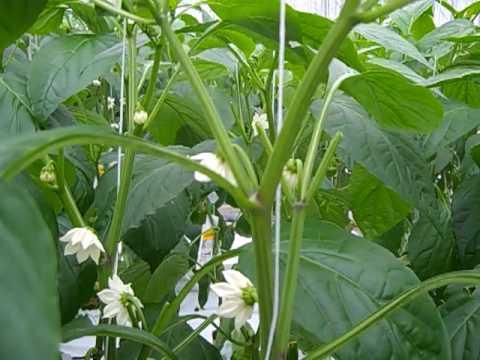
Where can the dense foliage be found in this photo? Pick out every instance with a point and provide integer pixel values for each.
(386, 199)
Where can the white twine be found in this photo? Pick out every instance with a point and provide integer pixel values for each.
(278, 194)
(118, 250)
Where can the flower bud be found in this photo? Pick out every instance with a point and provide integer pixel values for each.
(96, 83)
(291, 173)
(140, 117)
(47, 174)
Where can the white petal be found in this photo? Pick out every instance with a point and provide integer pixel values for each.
(99, 245)
(243, 316)
(236, 279)
(71, 249)
(82, 256)
(123, 318)
(200, 177)
(115, 283)
(231, 307)
(204, 157)
(94, 253)
(112, 309)
(223, 289)
(67, 237)
(107, 296)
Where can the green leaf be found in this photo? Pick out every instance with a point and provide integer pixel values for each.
(376, 208)
(398, 162)
(459, 119)
(66, 65)
(451, 74)
(28, 280)
(390, 40)
(16, 16)
(398, 67)
(461, 315)
(16, 113)
(466, 90)
(155, 182)
(406, 16)
(466, 219)
(339, 285)
(394, 102)
(49, 20)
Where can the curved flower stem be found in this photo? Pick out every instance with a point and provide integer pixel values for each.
(68, 201)
(458, 277)
(316, 135)
(213, 118)
(170, 309)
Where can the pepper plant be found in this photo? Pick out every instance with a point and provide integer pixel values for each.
(126, 125)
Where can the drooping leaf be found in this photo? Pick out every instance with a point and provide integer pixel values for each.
(466, 219)
(452, 74)
(16, 16)
(390, 40)
(67, 64)
(28, 279)
(461, 315)
(339, 285)
(394, 101)
(376, 208)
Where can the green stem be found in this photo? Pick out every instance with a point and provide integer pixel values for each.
(322, 169)
(68, 201)
(106, 6)
(458, 277)
(152, 83)
(262, 238)
(299, 106)
(114, 234)
(290, 279)
(123, 332)
(316, 136)
(375, 13)
(213, 118)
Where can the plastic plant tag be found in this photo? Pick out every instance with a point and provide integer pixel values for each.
(207, 240)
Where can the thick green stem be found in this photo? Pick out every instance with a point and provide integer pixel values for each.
(68, 201)
(213, 118)
(299, 106)
(375, 13)
(262, 239)
(290, 279)
(459, 277)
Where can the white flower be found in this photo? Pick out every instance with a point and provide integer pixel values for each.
(238, 297)
(96, 83)
(261, 121)
(214, 163)
(140, 117)
(117, 297)
(83, 243)
(110, 103)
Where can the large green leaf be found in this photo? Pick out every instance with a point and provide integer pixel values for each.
(398, 162)
(405, 17)
(390, 40)
(459, 119)
(343, 279)
(461, 315)
(28, 279)
(466, 90)
(466, 218)
(394, 101)
(67, 64)
(16, 16)
(376, 208)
